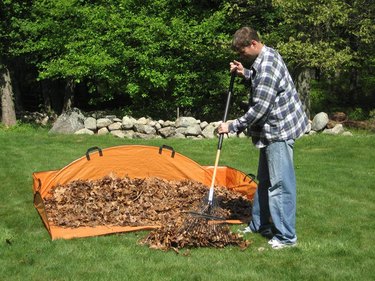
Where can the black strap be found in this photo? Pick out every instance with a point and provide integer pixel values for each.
(92, 149)
(167, 147)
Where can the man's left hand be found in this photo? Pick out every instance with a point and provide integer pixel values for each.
(223, 128)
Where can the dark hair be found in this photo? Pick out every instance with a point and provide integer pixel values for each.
(243, 37)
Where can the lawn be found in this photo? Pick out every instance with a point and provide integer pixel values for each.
(335, 216)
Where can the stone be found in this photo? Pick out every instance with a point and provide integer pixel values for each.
(203, 124)
(144, 129)
(142, 121)
(320, 121)
(128, 122)
(186, 122)
(44, 121)
(347, 133)
(115, 126)
(103, 131)
(138, 135)
(103, 122)
(90, 123)
(118, 133)
(129, 134)
(110, 117)
(337, 130)
(68, 122)
(169, 124)
(167, 132)
(308, 128)
(193, 130)
(331, 124)
(209, 130)
(84, 131)
(178, 136)
(328, 132)
(181, 130)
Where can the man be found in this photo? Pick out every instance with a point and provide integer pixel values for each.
(275, 118)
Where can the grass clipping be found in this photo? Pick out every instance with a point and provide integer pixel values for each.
(115, 201)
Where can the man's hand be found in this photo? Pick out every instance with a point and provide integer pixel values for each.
(223, 128)
(238, 67)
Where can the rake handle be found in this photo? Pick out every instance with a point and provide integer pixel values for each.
(231, 84)
(221, 137)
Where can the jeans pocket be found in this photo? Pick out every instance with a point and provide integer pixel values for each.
(275, 186)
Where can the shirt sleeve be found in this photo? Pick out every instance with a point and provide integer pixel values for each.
(264, 93)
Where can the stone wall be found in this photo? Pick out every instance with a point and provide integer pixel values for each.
(146, 128)
(75, 122)
(129, 127)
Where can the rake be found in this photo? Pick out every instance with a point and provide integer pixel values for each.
(208, 211)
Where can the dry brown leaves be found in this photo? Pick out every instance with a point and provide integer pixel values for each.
(149, 201)
(193, 232)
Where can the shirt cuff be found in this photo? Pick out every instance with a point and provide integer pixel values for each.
(247, 73)
(231, 128)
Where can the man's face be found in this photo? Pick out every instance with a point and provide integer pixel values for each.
(248, 52)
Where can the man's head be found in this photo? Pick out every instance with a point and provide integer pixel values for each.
(246, 42)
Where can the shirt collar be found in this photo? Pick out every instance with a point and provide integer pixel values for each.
(259, 58)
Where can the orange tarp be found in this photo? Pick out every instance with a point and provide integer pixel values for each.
(134, 161)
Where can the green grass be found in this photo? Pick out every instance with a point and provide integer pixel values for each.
(335, 216)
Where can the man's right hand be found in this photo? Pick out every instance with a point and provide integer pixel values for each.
(238, 67)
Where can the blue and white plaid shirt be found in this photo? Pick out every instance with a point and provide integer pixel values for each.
(276, 112)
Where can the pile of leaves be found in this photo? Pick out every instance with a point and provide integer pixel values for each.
(148, 202)
(194, 232)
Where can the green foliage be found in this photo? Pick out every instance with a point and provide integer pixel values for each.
(164, 53)
(159, 55)
(357, 114)
(319, 98)
(10, 9)
(372, 115)
(336, 38)
(314, 33)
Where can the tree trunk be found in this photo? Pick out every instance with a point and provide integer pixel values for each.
(303, 85)
(69, 95)
(8, 113)
(16, 90)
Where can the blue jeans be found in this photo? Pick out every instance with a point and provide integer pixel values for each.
(274, 206)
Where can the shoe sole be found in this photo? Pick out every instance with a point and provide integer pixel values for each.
(283, 246)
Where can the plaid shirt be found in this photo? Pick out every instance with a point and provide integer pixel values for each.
(276, 112)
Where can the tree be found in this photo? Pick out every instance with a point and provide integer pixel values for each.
(8, 116)
(156, 56)
(165, 52)
(334, 37)
(6, 89)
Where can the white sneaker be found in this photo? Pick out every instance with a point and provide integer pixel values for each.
(276, 244)
(245, 230)
(273, 240)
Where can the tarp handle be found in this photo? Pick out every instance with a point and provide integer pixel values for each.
(92, 149)
(252, 177)
(167, 147)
